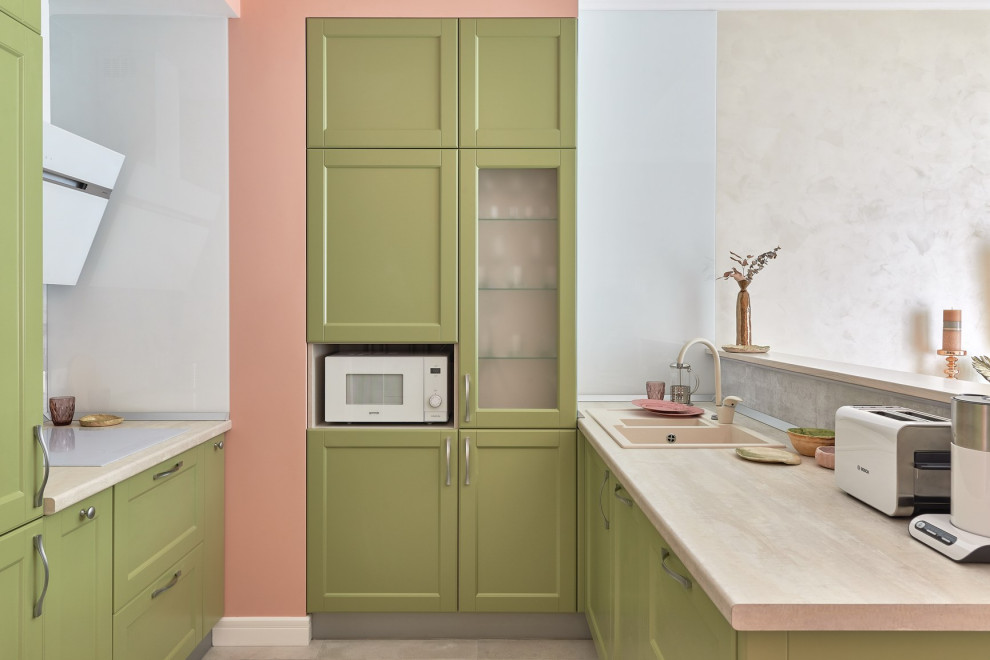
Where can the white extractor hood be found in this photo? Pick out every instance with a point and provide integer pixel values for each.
(79, 176)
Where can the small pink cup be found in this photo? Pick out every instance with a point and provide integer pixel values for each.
(655, 389)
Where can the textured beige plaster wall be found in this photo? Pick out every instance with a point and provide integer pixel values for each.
(860, 143)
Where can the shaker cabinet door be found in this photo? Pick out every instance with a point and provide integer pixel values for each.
(517, 82)
(20, 272)
(381, 520)
(381, 246)
(381, 82)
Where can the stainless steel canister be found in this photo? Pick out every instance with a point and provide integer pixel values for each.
(970, 455)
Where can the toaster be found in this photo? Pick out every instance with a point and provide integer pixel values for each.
(895, 459)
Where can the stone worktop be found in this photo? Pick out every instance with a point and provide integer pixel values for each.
(780, 547)
(69, 485)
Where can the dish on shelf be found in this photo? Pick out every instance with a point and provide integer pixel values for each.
(100, 420)
(668, 408)
(749, 348)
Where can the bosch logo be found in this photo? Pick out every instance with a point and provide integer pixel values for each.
(862, 469)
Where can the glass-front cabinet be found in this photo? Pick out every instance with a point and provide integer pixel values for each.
(517, 366)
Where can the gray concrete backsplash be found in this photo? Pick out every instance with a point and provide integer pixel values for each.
(809, 401)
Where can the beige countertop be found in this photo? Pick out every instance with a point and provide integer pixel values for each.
(780, 547)
(69, 485)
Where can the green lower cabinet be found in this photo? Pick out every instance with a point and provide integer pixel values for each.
(683, 623)
(630, 590)
(381, 521)
(213, 541)
(165, 620)
(518, 521)
(158, 518)
(21, 585)
(79, 605)
(598, 549)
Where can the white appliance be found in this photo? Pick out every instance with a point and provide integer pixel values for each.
(384, 388)
(79, 176)
(965, 534)
(895, 459)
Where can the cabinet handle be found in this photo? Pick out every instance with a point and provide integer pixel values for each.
(624, 500)
(467, 461)
(39, 497)
(168, 473)
(467, 397)
(218, 444)
(39, 546)
(88, 513)
(684, 582)
(448, 461)
(171, 583)
(601, 490)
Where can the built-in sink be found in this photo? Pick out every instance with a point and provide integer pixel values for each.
(636, 429)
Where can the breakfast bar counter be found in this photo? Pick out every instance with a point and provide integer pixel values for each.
(779, 547)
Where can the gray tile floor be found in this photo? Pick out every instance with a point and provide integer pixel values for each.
(438, 649)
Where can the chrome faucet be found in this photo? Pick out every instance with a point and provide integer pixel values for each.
(725, 409)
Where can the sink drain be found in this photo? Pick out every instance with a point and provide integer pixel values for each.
(671, 437)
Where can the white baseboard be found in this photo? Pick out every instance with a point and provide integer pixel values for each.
(262, 631)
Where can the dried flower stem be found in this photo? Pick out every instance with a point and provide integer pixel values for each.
(753, 265)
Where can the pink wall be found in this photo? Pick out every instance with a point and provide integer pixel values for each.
(266, 476)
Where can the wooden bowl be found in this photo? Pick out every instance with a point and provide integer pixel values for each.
(805, 440)
(100, 420)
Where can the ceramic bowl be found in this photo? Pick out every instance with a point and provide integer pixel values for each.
(806, 441)
(825, 456)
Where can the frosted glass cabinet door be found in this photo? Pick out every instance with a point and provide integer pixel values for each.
(517, 289)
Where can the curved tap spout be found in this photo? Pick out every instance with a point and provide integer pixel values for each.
(725, 409)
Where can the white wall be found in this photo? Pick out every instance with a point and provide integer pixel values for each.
(146, 328)
(860, 143)
(646, 176)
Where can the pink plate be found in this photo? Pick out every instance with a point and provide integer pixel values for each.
(668, 408)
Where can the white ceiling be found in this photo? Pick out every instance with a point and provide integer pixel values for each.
(144, 7)
(780, 4)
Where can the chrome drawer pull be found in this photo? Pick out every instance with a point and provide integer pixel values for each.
(39, 497)
(168, 473)
(600, 492)
(624, 500)
(218, 444)
(467, 461)
(40, 547)
(171, 583)
(448, 461)
(684, 582)
(467, 397)
(88, 513)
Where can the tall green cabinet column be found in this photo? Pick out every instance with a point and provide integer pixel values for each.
(20, 271)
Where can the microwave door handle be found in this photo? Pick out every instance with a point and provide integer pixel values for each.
(467, 397)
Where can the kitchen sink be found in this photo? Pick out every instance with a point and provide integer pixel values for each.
(634, 429)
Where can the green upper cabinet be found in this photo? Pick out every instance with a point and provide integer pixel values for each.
(20, 271)
(213, 542)
(27, 12)
(517, 318)
(518, 521)
(382, 245)
(381, 521)
(381, 82)
(79, 604)
(517, 82)
(21, 587)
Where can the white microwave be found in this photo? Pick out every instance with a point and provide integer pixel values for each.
(386, 388)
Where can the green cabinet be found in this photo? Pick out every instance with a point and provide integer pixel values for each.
(517, 82)
(518, 517)
(158, 519)
(630, 590)
(21, 587)
(381, 246)
(517, 278)
(27, 12)
(20, 267)
(381, 82)
(213, 541)
(381, 520)
(165, 619)
(598, 548)
(79, 605)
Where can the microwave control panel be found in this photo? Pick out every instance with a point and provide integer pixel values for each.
(435, 388)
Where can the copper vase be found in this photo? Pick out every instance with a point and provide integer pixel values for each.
(743, 315)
